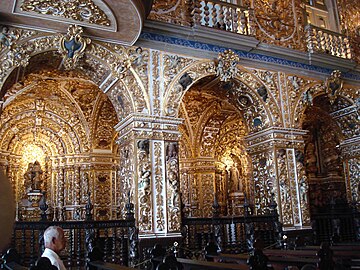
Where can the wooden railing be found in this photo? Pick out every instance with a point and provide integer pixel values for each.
(111, 236)
(336, 224)
(328, 42)
(224, 16)
(232, 234)
(113, 241)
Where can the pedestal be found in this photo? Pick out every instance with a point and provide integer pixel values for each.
(34, 197)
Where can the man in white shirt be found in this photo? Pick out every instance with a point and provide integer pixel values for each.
(54, 243)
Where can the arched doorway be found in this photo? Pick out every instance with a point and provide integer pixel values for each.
(323, 162)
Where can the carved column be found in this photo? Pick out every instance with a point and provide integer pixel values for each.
(277, 160)
(150, 171)
(350, 152)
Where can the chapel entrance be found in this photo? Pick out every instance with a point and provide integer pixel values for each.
(214, 164)
(57, 137)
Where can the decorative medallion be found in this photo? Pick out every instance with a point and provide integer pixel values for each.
(334, 85)
(78, 10)
(226, 66)
(72, 46)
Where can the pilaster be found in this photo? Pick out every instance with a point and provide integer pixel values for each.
(154, 186)
(350, 152)
(277, 159)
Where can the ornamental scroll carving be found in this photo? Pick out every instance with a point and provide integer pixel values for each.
(159, 186)
(280, 22)
(144, 185)
(173, 186)
(226, 68)
(264, 178)
(78, 10)
(284, 188)
(354, 176)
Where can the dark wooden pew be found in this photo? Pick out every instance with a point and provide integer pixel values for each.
(276, 262)
(170, 262)
(100, 265)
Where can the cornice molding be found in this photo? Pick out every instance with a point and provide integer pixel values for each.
(203, 42)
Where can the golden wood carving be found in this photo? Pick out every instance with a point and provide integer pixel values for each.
(144, 186)
(226, 67)
(160, 218)
(78, 10)
(334, 85)
(173, 187)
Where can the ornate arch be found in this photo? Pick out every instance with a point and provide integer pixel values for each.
(306, 96)
(111, 67)
(248, 82)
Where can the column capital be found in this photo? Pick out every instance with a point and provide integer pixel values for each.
(350, 148)
(275, 137)
(137, 125)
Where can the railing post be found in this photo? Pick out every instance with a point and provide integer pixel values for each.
(276, 223)
(43, 207)
(89, 232)
(335, 224)
(249, 226)
(88, 209)
(356, 220)
(133, 237)
(216, 225)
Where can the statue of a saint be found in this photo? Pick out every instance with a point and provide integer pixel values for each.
(33, 176)
(235, 181)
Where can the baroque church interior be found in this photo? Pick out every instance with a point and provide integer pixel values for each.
(148, 120)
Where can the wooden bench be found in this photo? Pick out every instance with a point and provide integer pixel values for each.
(100, 265)
(275, 262)
(170, 262)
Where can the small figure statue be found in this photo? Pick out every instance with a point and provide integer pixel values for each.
(37, 176)
(33, 176)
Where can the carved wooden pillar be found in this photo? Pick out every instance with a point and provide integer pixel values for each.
(350, 152)
(150, 171)
(60, 192)
(277, 160)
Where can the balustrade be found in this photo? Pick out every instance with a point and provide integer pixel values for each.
(117, 239)
(111, 236)
(335, 224)
(236, 234)
(224, 16)
(328, 42)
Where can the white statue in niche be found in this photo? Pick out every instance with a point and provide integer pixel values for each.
(235, 183)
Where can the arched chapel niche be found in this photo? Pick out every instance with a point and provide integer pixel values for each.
(57, 136)
(323, 162)
(213, 158)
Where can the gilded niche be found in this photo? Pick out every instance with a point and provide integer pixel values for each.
(78, 10)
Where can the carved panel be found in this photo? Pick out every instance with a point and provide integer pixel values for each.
(173, 11)
(173, 187)
(285, 207)
(264, 179)
(144, 186)
(159, 186)
(280, 22)
(83, 11)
